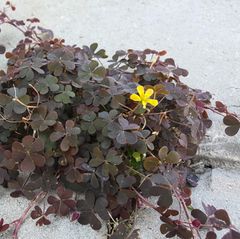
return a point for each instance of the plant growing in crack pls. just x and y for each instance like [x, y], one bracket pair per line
[118, 135]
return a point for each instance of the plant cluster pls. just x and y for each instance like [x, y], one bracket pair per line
[118, 134]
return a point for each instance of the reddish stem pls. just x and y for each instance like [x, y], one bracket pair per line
[20, 221]
[145, 201]
[181, 200]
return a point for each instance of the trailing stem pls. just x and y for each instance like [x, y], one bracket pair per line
[39, 197]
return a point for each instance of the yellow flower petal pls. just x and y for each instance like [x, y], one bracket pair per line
[135, 97]
[152, 102]
[149, 93]
[140, 90]
[144, 104]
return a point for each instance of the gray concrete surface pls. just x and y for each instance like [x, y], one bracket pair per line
[203, 36]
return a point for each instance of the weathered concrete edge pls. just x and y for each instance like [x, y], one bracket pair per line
[218, 161]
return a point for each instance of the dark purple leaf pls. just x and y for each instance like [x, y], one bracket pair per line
[198, 214]
[211, 235]
[223, 215]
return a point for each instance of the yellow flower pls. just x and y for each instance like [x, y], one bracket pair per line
[144, 97]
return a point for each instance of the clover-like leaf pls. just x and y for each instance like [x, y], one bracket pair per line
[29, 153]
[44, 85]
[42, 118]
[123, 131]
[55, 67]
[171, 157]
[163, 152]
[26, 72]
[91, 70]
[37, 213]
[60, 59]
[63, 203]
[108, 116]
[233, 125]
[145, 142]
[198, 214]
[89, 123]
[73, 173]
[170, 230]
[97, 158]
[3, 226]
[165, 195]
[21, 189]
[102, 97]
[17, 101]
[68, 135]
[30, 66]
[92, 51]
[7, 161]
[89, 207]
[106, 164]
[211, 235]
[151, 164]
[125, 182]
[100, 206]
[113, 157]
[65, 95]
[232, 234]
[223, 216]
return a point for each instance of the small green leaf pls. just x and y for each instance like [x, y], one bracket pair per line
[173, 158]
[162, 154]
[137, 156]
[151, 164]
[93, 46]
